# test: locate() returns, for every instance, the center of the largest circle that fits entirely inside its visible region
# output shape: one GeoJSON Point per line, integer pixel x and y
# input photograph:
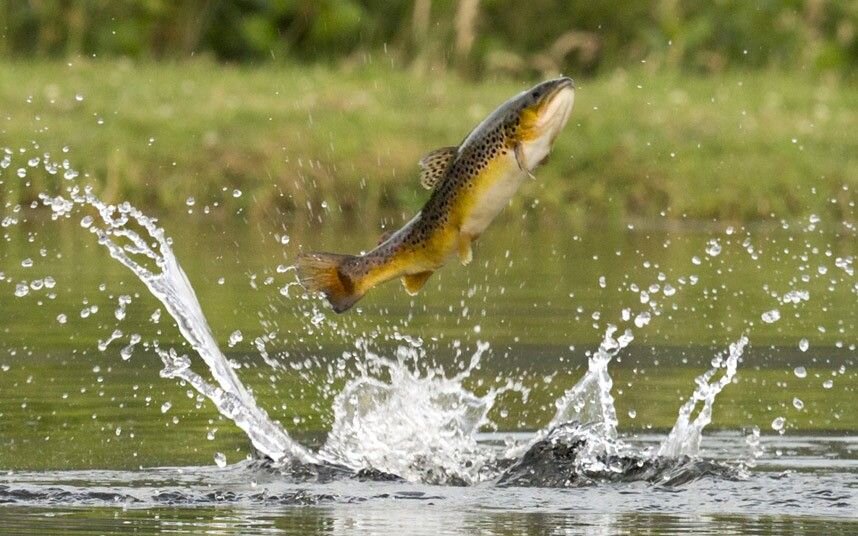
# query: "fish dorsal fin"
{"type": "Point", "coordinates": [434, 165]}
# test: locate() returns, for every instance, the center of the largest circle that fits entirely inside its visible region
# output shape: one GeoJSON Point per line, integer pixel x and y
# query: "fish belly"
{"type": "Point", "coordinates": [492, 193]}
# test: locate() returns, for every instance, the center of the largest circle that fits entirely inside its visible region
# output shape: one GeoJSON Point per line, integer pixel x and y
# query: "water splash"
{"type": "Point", "coordinates": [421, 427]}
{"type": "Point", "coordinates": [156, 266]}
{"type": "Point", "coordinates": [590, 401]}
{"type": "Point", "coordinates": [684, 438]}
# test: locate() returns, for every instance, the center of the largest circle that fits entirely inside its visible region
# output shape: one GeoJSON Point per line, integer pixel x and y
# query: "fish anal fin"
{"type": "Point", "coordinates": [435, 164]}
{"type": "Point", "coordinates": [414, 282]}
{"type": "Point", "coordinates": [466, 253]}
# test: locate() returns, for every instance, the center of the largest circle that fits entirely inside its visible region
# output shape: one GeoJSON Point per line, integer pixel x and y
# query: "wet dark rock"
{"type": "Point", "coordinates": [374, 475]}
{"type": "Point", "coordinates": [554, 462]}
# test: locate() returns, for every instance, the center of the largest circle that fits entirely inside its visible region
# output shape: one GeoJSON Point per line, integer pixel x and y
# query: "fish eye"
{"type": "Point", "coordinates": [535, 94]}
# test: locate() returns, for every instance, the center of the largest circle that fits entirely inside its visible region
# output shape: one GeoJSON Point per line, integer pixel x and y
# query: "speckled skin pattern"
{"type": "Point", "coordinates": [485, 159]}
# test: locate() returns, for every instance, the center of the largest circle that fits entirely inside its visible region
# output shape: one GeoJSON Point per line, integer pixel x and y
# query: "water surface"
{"type": "Point", "coordinates": [102, 430]}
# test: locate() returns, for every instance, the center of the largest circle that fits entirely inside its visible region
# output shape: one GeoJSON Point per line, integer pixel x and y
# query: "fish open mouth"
{"type": "Point", "coordinates": [556, 106]}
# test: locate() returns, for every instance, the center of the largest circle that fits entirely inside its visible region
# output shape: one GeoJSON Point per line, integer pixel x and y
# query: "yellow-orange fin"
{"type": "Point", "coordinates": [414, 282]}
{"type": "Point", "coordinates": [322, 272]}
{"type": "Point", "coordinates": [466, 254]}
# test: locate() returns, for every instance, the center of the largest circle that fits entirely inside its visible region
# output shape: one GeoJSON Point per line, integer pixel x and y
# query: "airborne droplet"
{"type": "Point", "coordinates": [770, 317]}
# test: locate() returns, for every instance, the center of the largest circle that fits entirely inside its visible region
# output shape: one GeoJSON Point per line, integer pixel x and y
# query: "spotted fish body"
{"type": "Point", "coordinates": [471, 183]}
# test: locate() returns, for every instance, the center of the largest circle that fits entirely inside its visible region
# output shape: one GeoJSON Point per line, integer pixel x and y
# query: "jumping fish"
{"type": "Point", "coordinates": [470, 185]}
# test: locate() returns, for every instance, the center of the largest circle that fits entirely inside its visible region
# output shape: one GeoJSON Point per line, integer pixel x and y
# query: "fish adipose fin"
{"type": "Point", "coordinates": [322, 272]}
{"type": "Point", "coordinates": [414, 282]}
{"type": "Point", "coordinates": [466, 254]}
{"type": "Point", "coordinates": [435, 164]}
{"type": "Point", "coordinates": [383, 238]}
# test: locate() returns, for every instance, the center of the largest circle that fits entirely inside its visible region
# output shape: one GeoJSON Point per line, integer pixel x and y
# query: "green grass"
{"type": "Point", "coordinates": [740, 146]}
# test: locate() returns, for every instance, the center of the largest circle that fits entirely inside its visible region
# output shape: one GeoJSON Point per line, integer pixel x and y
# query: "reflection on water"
{"type": "Point", "coordinates": [391, 520]}
{"type": "Point", "coordinates": [430, 521]}
{"type": "Point", "coordinates": [249, 499]}
{"type": "Point", "coordinates": [529, 284]}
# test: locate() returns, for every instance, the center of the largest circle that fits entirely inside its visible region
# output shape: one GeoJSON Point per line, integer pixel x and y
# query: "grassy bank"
{"type": "Point", "coordinates": [740, 146]}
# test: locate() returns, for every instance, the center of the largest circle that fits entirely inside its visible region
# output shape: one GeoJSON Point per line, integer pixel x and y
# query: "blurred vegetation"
{"type": "Point", "coordinates": [474, 36]}
{"type": "Point", "coordinates": [740, 146]}
{"type": "Point", "coordinates": [318, 99]}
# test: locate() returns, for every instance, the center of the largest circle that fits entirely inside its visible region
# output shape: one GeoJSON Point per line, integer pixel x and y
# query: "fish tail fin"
{"type": "Point", "coordinates": [323, 272]}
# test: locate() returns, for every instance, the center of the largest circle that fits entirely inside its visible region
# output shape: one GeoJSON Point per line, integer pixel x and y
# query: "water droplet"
{"type": "Point", "coordinates": [236, 193]}
{"type": "Point", "coordinates": [803, 345]}
{"type": "Point", "coordinates": [642, 319]}
{"type": "Point", "coordinates": [190, 201]}
{"type": "Point", "coordinates": [828, 384]}
{"type": "Point", "coordinates": [797, 403]}
{"type": "Point", "coordinates": [27, 263]}
{"type": "Point", "coordinates": [235, 337]}
{"type": "Point", "coordinates": [800, 372]}
{"type": "Point", "coordinates": [669, 290]}
{"type": "Point", "coordinates": [62, 318]}
{"type": "Point", "coordinates": [21, 173]}
{"type": "Point", "coordinates": [695, 260]}
{"type": "Point", "coordinates": [602, 281]}
{"type": "Point", "coordinates": [632, 414]}
{"type": "Point", "coordinates": [70, 174]}
{"type": "Point", "coordinates": [796, 296]}
{"type": "Point", "coordinates": [284, 239]}
{"type": "Point", "coordinates": [713, 248]}
{"type": "Point", "coordinates": [78, 97]}
{"type": "Point", "coordinates": [770, 317]}
{"type": "Point", "coordinates": [220, 459]}
{"type": "Point", "coordinates": [22, 289]}
{"type": "Point", "coordinates": [778, 424]}
{"type": "Point", "coordinates": [165, 407]}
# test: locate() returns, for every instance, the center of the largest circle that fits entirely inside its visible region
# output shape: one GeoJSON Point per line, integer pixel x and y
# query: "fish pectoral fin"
{"type": "Point", "coordinates": [414, 282]}
{"type": "Point", "coordinates": [435, 164]}
{"type": "Point", "coordinates": [521, 161]}
{"type": "Point", "coordinates": [466, 254]}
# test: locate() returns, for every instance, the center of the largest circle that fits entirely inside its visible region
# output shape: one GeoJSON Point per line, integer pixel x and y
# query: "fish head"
{"type": "Point", "coordinates": [542, 113]}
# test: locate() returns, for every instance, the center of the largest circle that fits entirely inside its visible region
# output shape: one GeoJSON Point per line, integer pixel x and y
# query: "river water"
{"type": "Point", "coordinates": [170, 376]}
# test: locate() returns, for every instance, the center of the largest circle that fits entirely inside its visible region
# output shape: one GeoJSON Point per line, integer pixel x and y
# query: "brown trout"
{"type": "Point", "coordinates": [470, 185]}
